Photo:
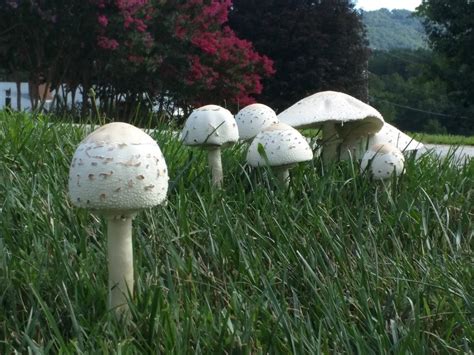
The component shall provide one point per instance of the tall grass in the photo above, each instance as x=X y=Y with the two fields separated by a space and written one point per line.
x=336 y=264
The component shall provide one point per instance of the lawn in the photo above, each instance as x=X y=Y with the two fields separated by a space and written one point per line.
x=337 y=264
x=443 y=138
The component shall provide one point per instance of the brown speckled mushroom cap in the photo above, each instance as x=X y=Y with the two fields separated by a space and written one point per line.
x=210 y=125
x=382 y=161
x=283 y=146
x=254 y=118
x=116 y=169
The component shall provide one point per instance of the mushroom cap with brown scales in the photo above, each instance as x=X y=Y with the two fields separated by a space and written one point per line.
x=283 y=146
x=208 y=126
x=253 y=118
x=118 y=169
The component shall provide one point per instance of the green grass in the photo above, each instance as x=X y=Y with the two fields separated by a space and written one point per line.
x=335 y=265
x=442 y=138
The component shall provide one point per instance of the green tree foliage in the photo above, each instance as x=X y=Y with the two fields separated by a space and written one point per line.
x=406 y=88
x=315 y=46
x=394 y=29
x=449 y=26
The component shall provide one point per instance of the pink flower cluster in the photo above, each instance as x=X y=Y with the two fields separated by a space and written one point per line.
x=129 y=10
x=107 y=43
x=103 y=20
x=131 y=15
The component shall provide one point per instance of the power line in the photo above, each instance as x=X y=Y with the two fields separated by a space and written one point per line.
x=401 y=58
x=416 y=109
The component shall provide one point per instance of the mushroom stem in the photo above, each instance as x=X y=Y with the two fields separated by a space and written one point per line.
x=283 y=175
x=120 y=261
x=215 y=164
x=331 y=143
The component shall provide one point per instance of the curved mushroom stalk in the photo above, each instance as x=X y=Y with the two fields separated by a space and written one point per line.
x=331 y=143
x=215 y=165
x=120 y=262
x=283 y=174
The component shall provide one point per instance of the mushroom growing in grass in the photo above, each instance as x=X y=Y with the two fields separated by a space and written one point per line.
x=254 y=118
x=340 y=116
x=116 y=171
x=382 y=162
x=211 y=127
x=389 y=134
x=280 y=147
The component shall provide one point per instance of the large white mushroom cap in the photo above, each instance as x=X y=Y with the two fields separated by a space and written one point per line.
x=253 y=118
x=210 y=125
x=333 y=107
x=283 y=145
x=382 y=161
x=388 y=134
x=118 y=168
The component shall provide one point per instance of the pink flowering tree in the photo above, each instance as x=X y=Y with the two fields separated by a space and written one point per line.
x=128 y=50
x=182 y=51
x=220 y=67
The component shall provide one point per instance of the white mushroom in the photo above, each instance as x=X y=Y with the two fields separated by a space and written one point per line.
x=388 y=134
x=211 y=127
x=116 y=171
x=283 y=147
x=254 y=118
x=339 y=115
x=382 y=161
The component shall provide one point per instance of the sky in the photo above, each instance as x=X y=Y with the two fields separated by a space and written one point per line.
x=369 y=5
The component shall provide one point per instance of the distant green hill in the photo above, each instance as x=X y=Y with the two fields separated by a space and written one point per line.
x=394 y=29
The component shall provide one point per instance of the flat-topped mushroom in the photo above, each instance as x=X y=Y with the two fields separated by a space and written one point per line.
x=388 y=134
x=339 y=115
x=211 y=127
x=116 y=171
x=283 y=148
x=254 y=118
x=382 y=161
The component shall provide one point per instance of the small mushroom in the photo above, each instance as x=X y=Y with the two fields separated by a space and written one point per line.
x=211 y=127
x=283 y=147
x=382 y=161
x=254 y=118
x=111 y=195
x=339 y=115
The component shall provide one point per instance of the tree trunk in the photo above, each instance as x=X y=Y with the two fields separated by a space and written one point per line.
x=18 y=94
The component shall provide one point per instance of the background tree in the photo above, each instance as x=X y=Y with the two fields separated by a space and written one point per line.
x=395 y=29
x=315 y=45
x=449 y=26
x=407 y=93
